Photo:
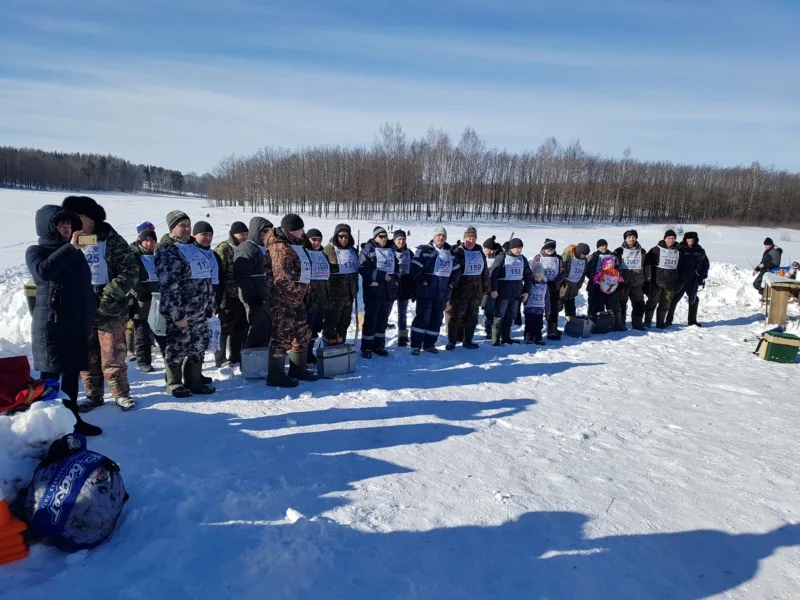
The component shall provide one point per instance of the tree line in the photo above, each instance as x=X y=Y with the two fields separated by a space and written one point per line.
x=438 y=179
x=40 y=170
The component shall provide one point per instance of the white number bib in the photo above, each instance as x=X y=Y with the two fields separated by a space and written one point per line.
x=321 y=268
x=473 y=262
x=305 y=263
x=96 y=259
x=536 y=298
x=403 y=262
x=212 y=260
x=149 y=262
x=550 y=266
x=668 y=258
x=198 y=260
x=632 y=259
x=348 y=261
x=384 y=259
x=576 y=267
x=515 y=265
x=444 y=263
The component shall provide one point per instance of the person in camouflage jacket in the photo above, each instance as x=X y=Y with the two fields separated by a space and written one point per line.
x=472 y=286
x=144 y=250
x=115 y=272
x=288 y=277
x=187 y=301
x=232 y=314
x=343 y=259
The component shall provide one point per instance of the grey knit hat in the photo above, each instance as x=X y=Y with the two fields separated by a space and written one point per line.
x=440 y=231
x=174 y=217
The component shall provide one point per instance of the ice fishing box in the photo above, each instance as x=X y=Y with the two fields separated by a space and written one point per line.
x=578 y=327
x=779 y=347
x=255 y=362
x=157 y=321
x=333 y=361
x=603 y=323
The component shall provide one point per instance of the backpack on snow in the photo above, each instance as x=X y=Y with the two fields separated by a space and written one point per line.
x=76 y=496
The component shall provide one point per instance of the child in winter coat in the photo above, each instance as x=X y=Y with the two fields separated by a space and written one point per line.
x=537 y=306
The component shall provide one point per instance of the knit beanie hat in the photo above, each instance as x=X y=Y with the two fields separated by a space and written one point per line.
x=144 y=226
x=312 y=233
x=292 y=222
x=491 y=243
x=440 y=231
x=506 y=246
x=398 y=233
x=538 y=269
x=470 y=232
x=174 y=217
x=238 y=227
x=548 y=243
x=202 y=227
x=515 y=243
x=86 y=206
x=670 y=233
x=601 y=242
x=147 y=234
x=379 y=231
x=630 y=232
x=582 y=249
x=769 y=242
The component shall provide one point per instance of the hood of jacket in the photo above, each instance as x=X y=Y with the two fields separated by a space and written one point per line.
x=47 y=218
x=140 y=250
x=256 y=229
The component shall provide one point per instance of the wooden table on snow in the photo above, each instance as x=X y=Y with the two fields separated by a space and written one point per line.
x=778 y=291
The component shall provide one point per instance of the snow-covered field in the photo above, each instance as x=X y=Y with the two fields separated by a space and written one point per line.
x=639 y=465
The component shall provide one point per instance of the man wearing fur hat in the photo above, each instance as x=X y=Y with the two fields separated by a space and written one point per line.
x=343 y=258
x=144 y=249
x=232 y=314
x=632 y=260
x=436 y=273
x=662 y=260
x=187 y=300
x=472 y=286
x=289 y=278
x=693 y=269
x=115 y=272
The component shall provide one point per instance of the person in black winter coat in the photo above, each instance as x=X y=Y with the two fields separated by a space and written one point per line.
x=771 y=259
x=511 y=280
x=693 y=269
x=494 y=253
x=144 y=250
x=65 y=304
x=377 y=265
x=598 y=301
x=319 y=295
x=249 y=272
x=407 y=286
x=662 y=260
x=632 y=265
x=555 y=274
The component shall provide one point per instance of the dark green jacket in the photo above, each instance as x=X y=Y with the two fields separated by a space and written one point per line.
x=123 y=275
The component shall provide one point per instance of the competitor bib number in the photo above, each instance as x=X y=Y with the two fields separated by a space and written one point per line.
x=320 y=267
x=444 y=263
x=473 y=262
x=515 y=265
x=348 y=261
x=198 y=261
x=550 y=266
x=632 y=259
x=403 y=262
x=305 y=264
x=668 y=259
x=384 y=259
x=149 y=262
x=536 y=299
x=95 y=255
x=576 y=267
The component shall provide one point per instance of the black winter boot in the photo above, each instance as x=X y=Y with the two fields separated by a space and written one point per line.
x=497 y=332
x=173 y=374
x=619 y=321
x=648 y=318
x=528 y=339
x=276 y=375
x=670 y=315
x=193 y=378
x=219 y=355
x=237 y=338
x=552 y=332
x=636 y=322
x=81 y=426
x=468 y=343
x=661 y=319
x=311 y=358
x=298 y=367
x=693 y=313
x=453 y=335
x=402 y=338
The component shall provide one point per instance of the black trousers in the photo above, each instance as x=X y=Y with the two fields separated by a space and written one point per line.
x=69 y=383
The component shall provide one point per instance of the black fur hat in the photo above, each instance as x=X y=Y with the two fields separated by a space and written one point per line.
x=86 y=206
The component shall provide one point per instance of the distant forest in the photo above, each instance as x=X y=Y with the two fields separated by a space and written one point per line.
x=438 y=179
x=40 y=170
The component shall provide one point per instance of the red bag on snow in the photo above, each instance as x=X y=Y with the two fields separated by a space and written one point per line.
x=15 y=373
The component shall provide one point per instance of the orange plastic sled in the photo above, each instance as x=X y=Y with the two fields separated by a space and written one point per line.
x=12 y=546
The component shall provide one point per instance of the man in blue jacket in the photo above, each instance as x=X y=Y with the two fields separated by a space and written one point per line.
x=436 y=273
x=377 y=265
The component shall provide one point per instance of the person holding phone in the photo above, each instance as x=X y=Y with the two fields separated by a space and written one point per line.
x=65 y=308
x=115 y=272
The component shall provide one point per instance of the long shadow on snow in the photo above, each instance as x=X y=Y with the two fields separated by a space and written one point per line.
x=539 y=555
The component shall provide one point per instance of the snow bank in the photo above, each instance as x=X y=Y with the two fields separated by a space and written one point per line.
x=24 y=439
x=15 y=322
x=728 y=285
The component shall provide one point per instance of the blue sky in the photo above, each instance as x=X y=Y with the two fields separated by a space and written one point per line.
x=185 y=83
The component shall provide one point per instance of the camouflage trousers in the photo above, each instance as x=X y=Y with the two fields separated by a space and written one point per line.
x=190 y=342
x=462 y=310
x=290 y=331
x=107 y=358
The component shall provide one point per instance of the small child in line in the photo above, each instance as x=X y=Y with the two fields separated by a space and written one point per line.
x=537 y=306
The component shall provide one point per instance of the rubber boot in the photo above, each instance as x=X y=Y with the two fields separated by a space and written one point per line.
x=81 y=426
x=193 y=378
x=219 y=355
x=619 y=321
x=298 y=367
x=670 y=315
x=507 y=339
x=552 y=332
x=402 y=338
x=497 y=332
x=276 y=374
x=174 y=377
x=469 y=332
x=648 y=318
x=636 y=322
x=693 y=313
x=661 y=319
x=453 y=334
